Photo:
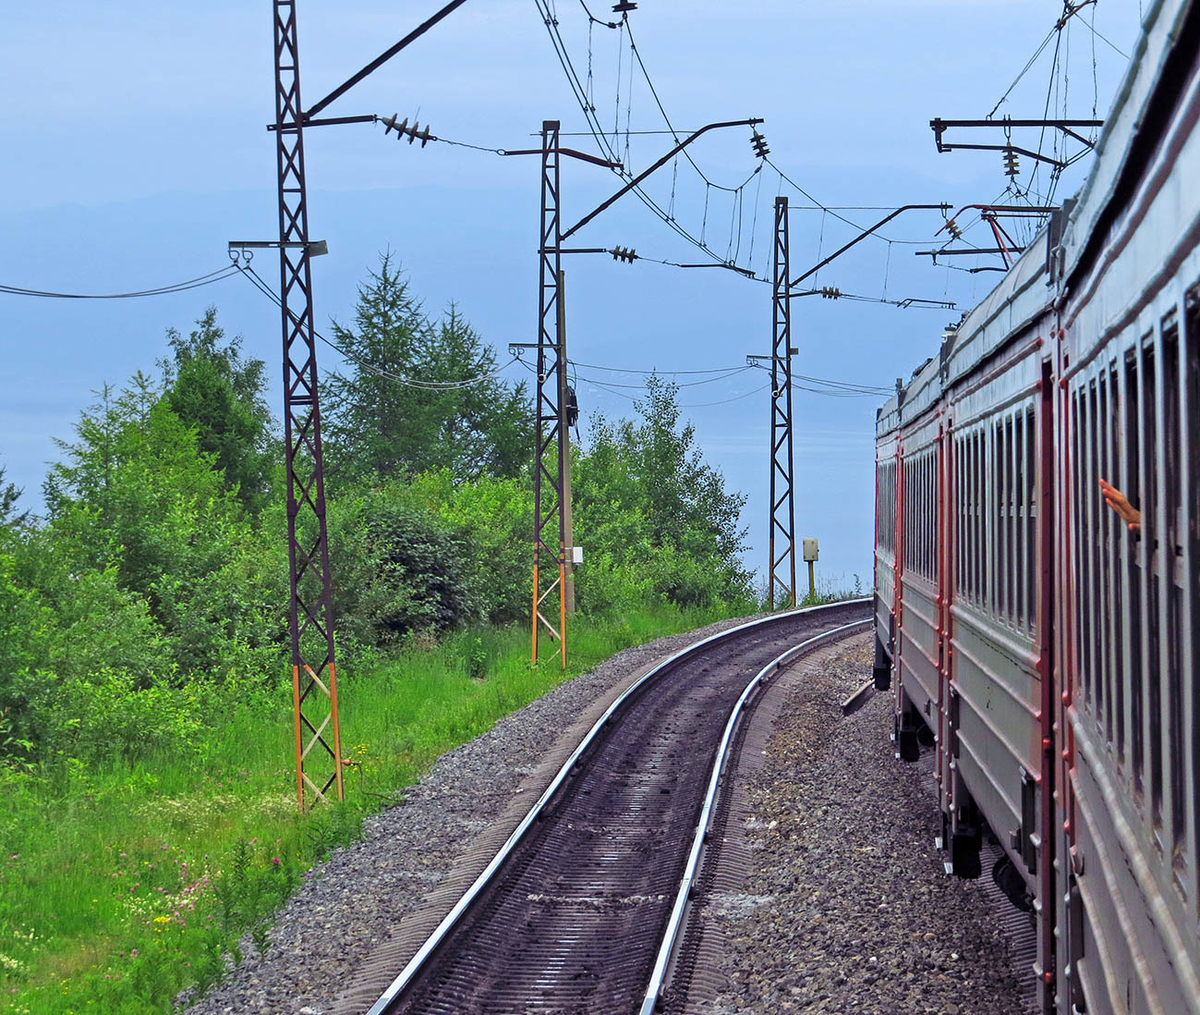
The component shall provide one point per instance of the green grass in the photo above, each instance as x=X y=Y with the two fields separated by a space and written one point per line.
x=125 y=881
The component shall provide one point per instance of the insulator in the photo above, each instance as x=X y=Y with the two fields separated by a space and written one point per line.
x=572 y=412
x=626 y=254
x=403 y=130
x=624 y=7
x=829 y=292
x=953 y=230
x=759 y=144
x=1012 y=161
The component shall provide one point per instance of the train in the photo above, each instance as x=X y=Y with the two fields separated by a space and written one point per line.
x=1039 y=632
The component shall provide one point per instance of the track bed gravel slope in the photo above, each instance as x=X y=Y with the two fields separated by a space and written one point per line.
x=841 y=903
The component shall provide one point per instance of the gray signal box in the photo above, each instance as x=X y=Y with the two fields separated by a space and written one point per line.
x=810 y=550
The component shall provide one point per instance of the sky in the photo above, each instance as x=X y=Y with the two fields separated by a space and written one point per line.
x=136 y=149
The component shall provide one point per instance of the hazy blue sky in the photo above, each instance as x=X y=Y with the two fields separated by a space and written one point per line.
x=136 y=147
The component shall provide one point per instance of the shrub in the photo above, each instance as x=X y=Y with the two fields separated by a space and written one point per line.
x=109 y=716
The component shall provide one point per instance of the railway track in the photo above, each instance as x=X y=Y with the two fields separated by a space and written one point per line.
x=578 y=911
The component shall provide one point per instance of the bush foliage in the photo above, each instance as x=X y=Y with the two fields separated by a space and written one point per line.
x=144 y=691
x=159 y=569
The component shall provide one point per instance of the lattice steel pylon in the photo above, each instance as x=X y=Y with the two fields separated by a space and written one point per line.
x=549 y=464
x=310 y=609
x=782 y=540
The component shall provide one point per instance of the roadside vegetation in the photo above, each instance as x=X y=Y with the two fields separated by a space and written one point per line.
x=148 y=817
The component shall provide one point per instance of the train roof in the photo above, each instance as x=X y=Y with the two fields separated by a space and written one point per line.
x=1028 y=290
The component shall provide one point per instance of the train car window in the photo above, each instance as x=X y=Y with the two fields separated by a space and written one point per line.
x=998 y=513
x=977 y=541
x=1131 y=479
x=1191 y=569
x=956 y=540
x=1105 y=530
x=889 y=513
x=1076 y=467
x=928 y=517
x=1170 y=581
x=885 y=506
x=962 y=493
x=1082 y=558
x=1004 y=573
x=982 y=558
x=964 y=525
x=1030 y=487
x=1115 y=545
x=932 y=523
x=1014 y=556
x=921 y=522
x=1191 y=575
x=1095 y=586
x=1149 y=538
x=969 y=544
x=987 y=510
x=889 y=506
x=1020 y=508
x=911 y=468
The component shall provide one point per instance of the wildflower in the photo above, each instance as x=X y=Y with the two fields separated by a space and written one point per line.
x=133 y=953
x=275 y=860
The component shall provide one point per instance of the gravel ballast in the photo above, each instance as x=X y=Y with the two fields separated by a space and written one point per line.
x=353 y=902
x=840 y=901
x=844 y=908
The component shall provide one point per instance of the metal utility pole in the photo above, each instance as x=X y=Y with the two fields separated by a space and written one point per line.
x=549 y=463
x=553 y=594
x=782 y=541
x=310 y=604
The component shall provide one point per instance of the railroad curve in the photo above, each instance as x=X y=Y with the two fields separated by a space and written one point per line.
x=569 y=918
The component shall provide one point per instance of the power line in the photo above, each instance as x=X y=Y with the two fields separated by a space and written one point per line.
x=598 y=133
x=732 y=372
x=193 y=283
x=653 y=372
x=257 y=281
x=729 y=371
x=834 y=209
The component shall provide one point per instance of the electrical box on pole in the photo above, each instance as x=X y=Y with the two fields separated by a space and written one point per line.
x=782 y=539
x=810 y=556
x=310 y=607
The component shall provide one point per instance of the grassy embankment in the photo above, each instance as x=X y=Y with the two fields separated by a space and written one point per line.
x=121 y=884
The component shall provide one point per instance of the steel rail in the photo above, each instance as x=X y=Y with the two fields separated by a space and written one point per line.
x=451 y=920
x=671 y=935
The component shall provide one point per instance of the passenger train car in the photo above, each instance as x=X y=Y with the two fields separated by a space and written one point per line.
x=1046 y=651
